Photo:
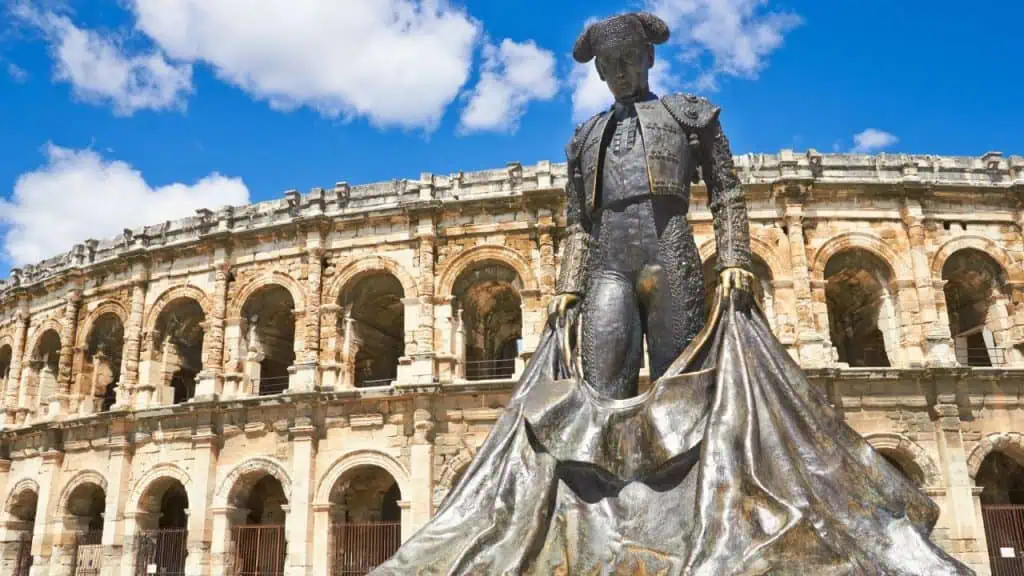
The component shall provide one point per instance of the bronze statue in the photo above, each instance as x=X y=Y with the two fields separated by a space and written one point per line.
x=629 y=252
x=732 y=462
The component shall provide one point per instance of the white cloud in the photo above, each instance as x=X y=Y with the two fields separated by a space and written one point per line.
x=395 y=62
x=17 y=73
x=735 y=37
x=872 y=140
x=77 y=194
x=591 y=95
x=513 y=74
x=99 y=69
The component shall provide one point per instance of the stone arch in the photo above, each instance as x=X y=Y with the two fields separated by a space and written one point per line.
x=453 y=468
x=46 y=326
x=1013 y=269
x=248 y=467
x=260 y=281
x=779 y=265
x=352 y=270
x=897 y=263
x=83 y=477
x=466 y=258
x=159 y=472
x=7 y=340
x=109 y=306
x=172 y=294
x=356 y=459
x=19 y=487
x=910 y=450
x=1010 y=443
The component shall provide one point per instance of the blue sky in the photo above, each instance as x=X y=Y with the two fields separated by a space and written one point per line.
x=116 y=114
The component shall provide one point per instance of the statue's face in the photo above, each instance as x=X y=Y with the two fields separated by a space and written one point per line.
x=625 y=70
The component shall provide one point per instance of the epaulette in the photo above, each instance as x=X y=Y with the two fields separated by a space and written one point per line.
x=581 y=134
x=693 y=112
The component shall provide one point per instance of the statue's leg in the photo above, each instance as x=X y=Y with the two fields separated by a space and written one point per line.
x=672 y=304
x=612 y=337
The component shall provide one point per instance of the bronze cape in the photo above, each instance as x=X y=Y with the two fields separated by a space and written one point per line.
x=732 y=463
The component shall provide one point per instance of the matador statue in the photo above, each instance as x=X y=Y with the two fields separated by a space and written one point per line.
x=732 y=462
x=629 y=252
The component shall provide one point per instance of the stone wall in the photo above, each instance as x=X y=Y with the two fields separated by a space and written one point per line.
x=853 y=248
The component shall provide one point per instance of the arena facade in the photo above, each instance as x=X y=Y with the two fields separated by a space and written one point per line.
x=293 y=386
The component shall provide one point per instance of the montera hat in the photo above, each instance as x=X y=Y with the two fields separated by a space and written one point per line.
x=637 y=28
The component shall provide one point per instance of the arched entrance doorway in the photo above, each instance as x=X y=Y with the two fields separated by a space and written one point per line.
x=862 y=311
x=268 y=318
x=977 y=303
x=1001 y=479
x=490 y=320
x=366 y=520
x=84 y=523
x=372 y=329
x=18 y=529
x=258 y=545
x=160 y=544
x=177 y=351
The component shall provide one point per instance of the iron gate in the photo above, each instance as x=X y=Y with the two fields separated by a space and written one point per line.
x=87 y=558
x=359 y=548
x=23 y=560
x=1004 y=530
x=258 y=550
x=161 y=552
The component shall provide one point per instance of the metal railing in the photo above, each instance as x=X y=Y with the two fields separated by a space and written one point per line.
x=258 y=550
x=358 y=548
x=161 y=552
x=1004 y=530
x=981 y=356
x=370 y=383
x=273 y=385
x=87 y=559
x=490 y=369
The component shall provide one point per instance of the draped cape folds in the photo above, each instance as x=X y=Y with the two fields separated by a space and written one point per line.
x=731 y=463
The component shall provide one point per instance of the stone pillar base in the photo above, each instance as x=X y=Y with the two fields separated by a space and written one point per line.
x=60 y=405
x=303 y=376
x=416 y=370
x=209 y=386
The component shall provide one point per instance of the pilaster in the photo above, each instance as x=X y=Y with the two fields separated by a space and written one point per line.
x=299 y=525
x=14 y=377
x=812 y=345
x=211 y=378
x=59 y=403
x=132 y=346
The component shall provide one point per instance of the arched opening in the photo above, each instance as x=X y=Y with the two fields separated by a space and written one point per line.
x=21 y=519
x=765 y=295
x=101 y=370
x=489 y=315
x=178 y=343
x=372 y=326
x=5 y=366
x=43 y=367
x=84 y=522
x=906 y=466
x=977 y=306
x=1001 y=479
x=366 y=522
x=862 y=312
x=269 y=321
x=163 y=528
x=257 y=525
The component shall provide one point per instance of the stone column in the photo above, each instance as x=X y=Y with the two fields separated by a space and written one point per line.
x=421 y=471
x=419 y=310
x=307 y=367
x=321 y=538
x=49 y=525
x=941 y=333
x=937 y=342
x=299 y=529
x=201 y=527
x=211 y=378
x=811 y=343
x=132 y=347
x=14 y=377
x=908 y=330
x=546 y=246
x=59 y=403
x=117 y=472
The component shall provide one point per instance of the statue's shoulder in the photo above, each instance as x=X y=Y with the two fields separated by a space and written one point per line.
x=583 y=130
x=691 y=111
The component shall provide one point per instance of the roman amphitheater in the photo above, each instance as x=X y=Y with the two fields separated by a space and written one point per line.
x=292 y=387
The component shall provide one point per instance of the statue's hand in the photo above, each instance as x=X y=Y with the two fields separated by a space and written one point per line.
x=737 y=279
x=560 y=305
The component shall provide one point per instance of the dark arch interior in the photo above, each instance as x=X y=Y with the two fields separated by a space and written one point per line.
x=270 y=326
x=374 y=302
x=265 y=502
x=87 y=503
x=368 y=494
x=1002 y=480
x=857 y=282
x=181 y=325
x=47 y=351
x=492 y=318
x=5 y=361
x=104 y=348
x=973 y=279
